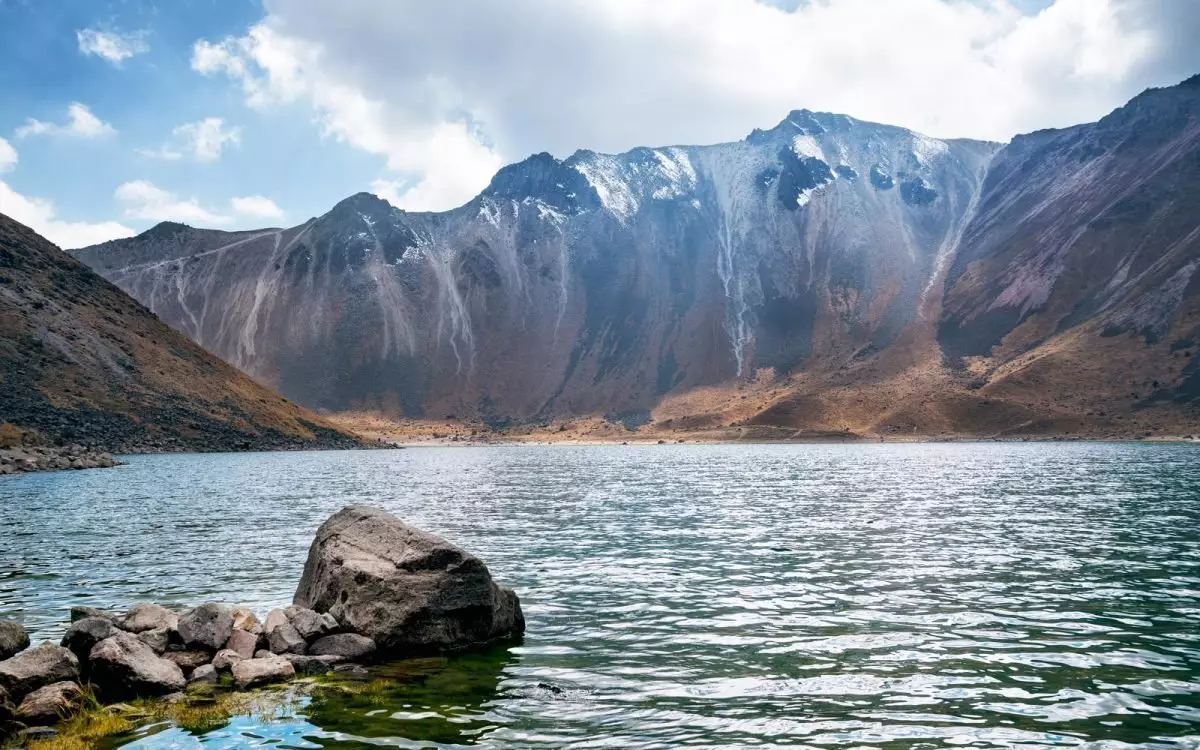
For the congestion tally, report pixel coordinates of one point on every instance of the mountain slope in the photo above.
(598, 283)
(82, 362)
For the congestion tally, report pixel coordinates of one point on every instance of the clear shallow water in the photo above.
(898, 596)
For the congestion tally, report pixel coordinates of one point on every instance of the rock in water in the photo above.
(345, 645)
(13, 639)
(407, 589)
(36, 668)
(148, 616)
(254, 672)
(124, 667)
(207, 626)
(50, 704)
(86, 633)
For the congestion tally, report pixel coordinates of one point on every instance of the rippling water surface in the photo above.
(898, 596)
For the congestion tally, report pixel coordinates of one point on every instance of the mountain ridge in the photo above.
(827, 250)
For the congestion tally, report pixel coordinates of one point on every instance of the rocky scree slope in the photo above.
(886, 283)
(81, 362)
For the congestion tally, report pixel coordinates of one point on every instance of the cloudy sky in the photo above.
(118, 114)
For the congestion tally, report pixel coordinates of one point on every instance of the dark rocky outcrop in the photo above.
(408, 590)
(83, 635)
(207, 626)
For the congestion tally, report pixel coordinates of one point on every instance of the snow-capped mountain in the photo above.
(601, 283)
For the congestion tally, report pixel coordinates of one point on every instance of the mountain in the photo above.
(826, 275)
(80, 361)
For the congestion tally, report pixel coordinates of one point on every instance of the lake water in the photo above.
(881, 596)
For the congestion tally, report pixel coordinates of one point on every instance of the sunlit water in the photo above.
(916, 596)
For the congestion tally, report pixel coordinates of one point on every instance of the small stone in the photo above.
(188, 660)
(50, 704)
(312, 665)
(275, 618)
(244, 619)
(86, 633)
(207, 626)
(254, 672)
(225, 659)
(346, 645)
(34, 734)
(243, 643)
(307, 623)
(205, 673)
(158, 639)
(13, 639)
(285, 640)
(148, 616)
(331, 623)
(263, 653)
(36, 668)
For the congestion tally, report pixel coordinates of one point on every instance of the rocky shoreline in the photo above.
(26, 459)
(373, 588)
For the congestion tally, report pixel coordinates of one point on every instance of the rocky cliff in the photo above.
(876, 280)
(81, 362)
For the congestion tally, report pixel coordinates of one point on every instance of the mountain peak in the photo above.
(543, 177)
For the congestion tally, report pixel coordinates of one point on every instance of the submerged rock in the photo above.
(124, 667)
(147, 616)
(254, 672)
(407, 589)
(49, 704)
(207, 626)
(13, 639)
(313, 665)
(36, 668)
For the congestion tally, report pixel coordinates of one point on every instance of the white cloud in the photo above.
(8, 156)
(39, 215)
(445, 91)
(145, 200)
(81, 123)
(112, 46)
(256, 206)
(202, 140)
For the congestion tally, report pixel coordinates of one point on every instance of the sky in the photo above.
(237, 114)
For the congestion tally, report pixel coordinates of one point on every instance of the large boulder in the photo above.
(50, 704)
(36, 668)
(254, 672)
(86, 633)
(148, 616)
(407, 589)
(123, 667)
(13, 639)
(207, 626)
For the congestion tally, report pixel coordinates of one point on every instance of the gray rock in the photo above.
(307, 623)
(407, 589)
(243, 643)
(43, 665)
(331, 623)
(124, 667)
(284, 639)
(158, 639)
(13, 639)
(207, 626)
(312, 665)
(188, 660)
(148, 616)
(263, 653)
(244, 619)
(346, 645)
(79, 611)
(50, 704)
(205, 673)
(254, 672)
(86, 633)
(275, 618)
(225, 659)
